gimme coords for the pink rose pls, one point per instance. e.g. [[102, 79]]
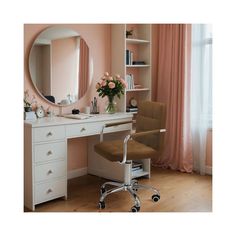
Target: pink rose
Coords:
[[124, 83], [98, 86], [110, 78], [118, 77], [103, 83], [111, 85], [106, 74]]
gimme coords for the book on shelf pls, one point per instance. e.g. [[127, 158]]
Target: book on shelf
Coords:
[[130, 81], [138, 62], [137, 167], [136, 164], [137, 86], [137, 171], [129, 57]]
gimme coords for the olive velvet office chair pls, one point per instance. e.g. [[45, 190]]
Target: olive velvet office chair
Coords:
[[147, 142]]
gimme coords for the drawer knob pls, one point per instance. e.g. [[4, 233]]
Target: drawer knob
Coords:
[[49, 153], [49, 134], [50, 172], [83, 129], [49, 191]]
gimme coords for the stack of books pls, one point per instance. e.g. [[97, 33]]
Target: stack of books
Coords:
[[137, 167], [130, 81], [131, 109], [138, 63], [137, 86]]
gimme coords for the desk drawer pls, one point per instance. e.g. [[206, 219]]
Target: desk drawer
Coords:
[[50, 170], [49, 133], [50, 151], [80, 130], [48, 191]]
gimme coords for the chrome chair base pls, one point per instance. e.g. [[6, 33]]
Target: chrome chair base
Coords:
[[131, 187]]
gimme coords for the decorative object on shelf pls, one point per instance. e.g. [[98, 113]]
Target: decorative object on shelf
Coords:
[[40, 112], [87, 110], [28, 102], [49, 112], [94, 106], [30, 115], [132, 105], [130, 81], [133, 102], [75, 111], [129, 33], [111, 86]]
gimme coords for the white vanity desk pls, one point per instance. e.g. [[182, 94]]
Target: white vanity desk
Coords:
[[45, 153]]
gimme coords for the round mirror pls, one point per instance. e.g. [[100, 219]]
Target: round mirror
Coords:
[[60, 65]]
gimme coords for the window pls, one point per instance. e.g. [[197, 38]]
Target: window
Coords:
[[201, 72]]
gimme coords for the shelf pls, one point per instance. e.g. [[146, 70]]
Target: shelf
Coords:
[[133, 66], [136, 41], [137, 90], [136, 174]]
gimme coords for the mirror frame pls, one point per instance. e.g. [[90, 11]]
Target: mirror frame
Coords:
[[34, 85]]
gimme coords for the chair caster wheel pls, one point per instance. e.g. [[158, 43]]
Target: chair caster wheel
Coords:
[[102, 190], [156, 197], [135, 209], [101, 205]]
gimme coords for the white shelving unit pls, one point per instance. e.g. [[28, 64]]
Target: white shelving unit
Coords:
[[140, 45]]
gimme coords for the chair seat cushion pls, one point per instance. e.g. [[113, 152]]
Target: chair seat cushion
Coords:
[[113, 150]]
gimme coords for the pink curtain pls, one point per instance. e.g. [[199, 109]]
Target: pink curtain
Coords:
[[172, 87], [83, 68]]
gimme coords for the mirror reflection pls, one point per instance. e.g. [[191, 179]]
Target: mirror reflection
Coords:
[[60, 65]]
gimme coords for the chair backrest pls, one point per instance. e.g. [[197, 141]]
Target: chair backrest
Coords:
[[151, 115]]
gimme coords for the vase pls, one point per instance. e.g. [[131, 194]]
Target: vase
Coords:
[[111, 105]]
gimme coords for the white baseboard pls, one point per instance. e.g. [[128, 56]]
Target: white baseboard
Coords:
[[208, 170], [77, 173]]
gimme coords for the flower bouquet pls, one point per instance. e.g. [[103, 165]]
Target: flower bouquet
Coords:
[[111, 86]]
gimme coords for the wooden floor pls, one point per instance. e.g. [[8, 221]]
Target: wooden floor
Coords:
[[180, 192]]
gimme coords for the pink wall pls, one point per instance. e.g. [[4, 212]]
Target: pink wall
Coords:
[[98, 38]]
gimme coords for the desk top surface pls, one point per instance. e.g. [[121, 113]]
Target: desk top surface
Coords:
[[49, 121]]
